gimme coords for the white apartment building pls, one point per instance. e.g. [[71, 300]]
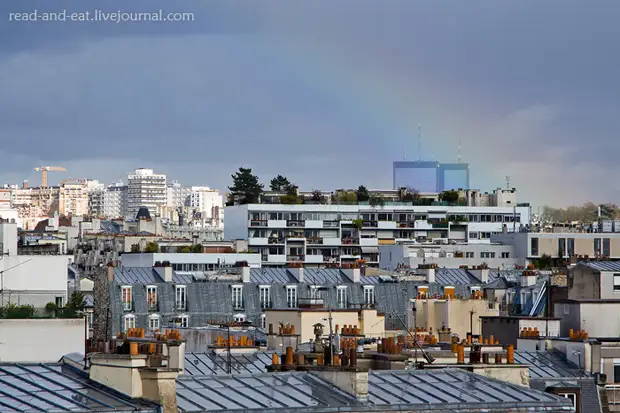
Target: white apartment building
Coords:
[[95, 191], [73, 199], [34, 204], [209, 203], [336, 234], [146, 188], [177, 195], [115, 201]]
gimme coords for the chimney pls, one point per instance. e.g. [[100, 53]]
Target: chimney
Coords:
[[298, 272], [129, 375], [176, 352], [481, 272], [354, 274], [350, 381], [429, 271], [246, 274], [528, 278], [111, 271], [164, 270]]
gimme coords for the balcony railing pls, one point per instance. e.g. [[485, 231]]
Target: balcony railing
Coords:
[[275, 241], [315, 240], [127, 305], [295, 223], [294, 258], [181, 305], [369, 224], [265, 304], [350, 241], [153, 306], [258, 223], [331, 224]]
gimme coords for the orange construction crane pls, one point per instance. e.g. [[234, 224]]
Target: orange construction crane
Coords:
[[45, 169]]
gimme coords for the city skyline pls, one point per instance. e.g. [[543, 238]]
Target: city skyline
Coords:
[[270, 91]]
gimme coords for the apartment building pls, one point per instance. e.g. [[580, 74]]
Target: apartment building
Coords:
[[208, 203], [561, 245], [177, 195], [73, 199], [34, 204], [146, 188], [115, 201], [444, 254], [337, 234], [96, 192]]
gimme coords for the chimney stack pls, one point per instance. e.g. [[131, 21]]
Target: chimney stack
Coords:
[[429, 271], [164, 270], [354, 274], [25, 185], [298, 272], [111, 271], [481, 272], [246, 274], [350, 381]]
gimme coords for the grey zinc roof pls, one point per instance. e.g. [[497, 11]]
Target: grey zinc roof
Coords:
[[548, 365], [611, 266], [58, 388], [454, 276], [410, 390], [268, 275]]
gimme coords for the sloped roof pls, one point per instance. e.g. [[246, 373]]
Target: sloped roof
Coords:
[[611, 266], [56, 387]]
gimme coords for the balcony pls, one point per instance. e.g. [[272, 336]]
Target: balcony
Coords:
[[257, 240], [331, 224], [276, 241], [369, 242], [295, 258], [276, 223], [386, 225], [258, 223], [315, 240], [314, 259], [180, 305], [152, 306], [369, 224], [317, 224], [332, 242], [127, 305], [295, 223], [350, 241]]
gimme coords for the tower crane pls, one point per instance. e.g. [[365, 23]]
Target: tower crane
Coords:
[[45, 169]]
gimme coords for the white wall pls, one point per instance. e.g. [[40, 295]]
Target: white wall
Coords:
[[40, 340], [148, 259], [236, 222], [35, 280]]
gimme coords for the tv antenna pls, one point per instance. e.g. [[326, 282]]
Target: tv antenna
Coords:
[[508, 183]]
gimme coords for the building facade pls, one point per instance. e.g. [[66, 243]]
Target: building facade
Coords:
[[337, 234], [419, 175], [146, 188], [452, 176], [115, 201], [73, 199]]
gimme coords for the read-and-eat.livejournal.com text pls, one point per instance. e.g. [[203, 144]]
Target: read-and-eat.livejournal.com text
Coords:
[[100, 16]]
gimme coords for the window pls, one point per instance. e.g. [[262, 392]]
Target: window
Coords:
[[369, 294], [291, 296], [505, 255], [572, 397], [239, 318], [597, 247], [89, 319], [570, 246], [182, 321], [534, 247], [126, 298], [341, 296], [59, 302], [616, 282], [606, 247], [181, 297], [151, 297], [264, 296], [263, 321], [129, 322], [154, 322], [237, 296], [470, 254], [561, 247], [315, 292]]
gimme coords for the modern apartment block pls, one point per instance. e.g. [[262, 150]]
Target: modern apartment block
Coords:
[[146, 188], [430, 176], [562, 245], [115, 201], [339, 234], [209, 204]]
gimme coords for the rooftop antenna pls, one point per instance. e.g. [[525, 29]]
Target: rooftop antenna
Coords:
[[419, 142], [508, 183]]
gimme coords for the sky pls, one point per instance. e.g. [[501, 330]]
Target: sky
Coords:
[[327, 93]]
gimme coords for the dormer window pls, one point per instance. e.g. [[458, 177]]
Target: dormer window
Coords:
[[449, 291], [291, 296], [126, 298], [423, 291], [341, 296], [181, 297], [369, 294], [237, 296], [151, 297]]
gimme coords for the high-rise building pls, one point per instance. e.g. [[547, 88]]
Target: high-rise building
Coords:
[[146, 188], [73, 199], [177, 195], [115, 201], [95, 190], [418, 175], [209, 204], [430, 176], [452, 176]]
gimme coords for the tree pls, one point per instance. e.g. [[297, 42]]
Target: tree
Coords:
[[290, 199], [451, 197], [151, 247], [197, 248], [362, 194], [246, 188], [347, 197], [135, 248], [317, 196], [280, 184], [185, 250], [407, 194], [376, 201]]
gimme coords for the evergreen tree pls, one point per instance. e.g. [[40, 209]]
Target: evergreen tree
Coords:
[[280, 184], [246, 188], [362, 194]]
